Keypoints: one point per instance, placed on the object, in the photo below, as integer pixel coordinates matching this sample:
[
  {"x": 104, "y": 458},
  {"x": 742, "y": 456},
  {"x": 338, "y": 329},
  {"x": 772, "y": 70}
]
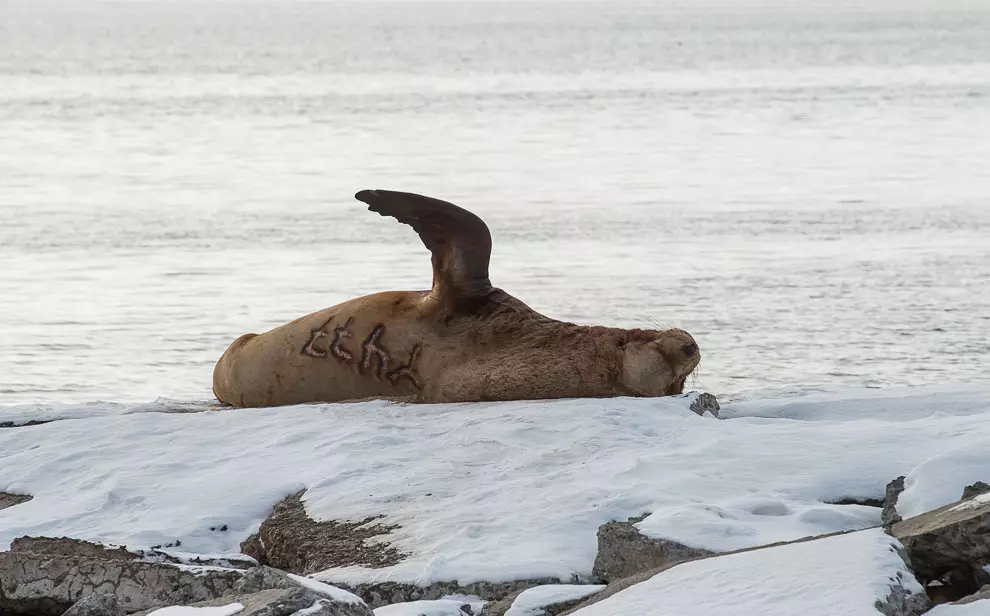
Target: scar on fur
[
  {"x": 311, "y": 350},
  {"x": 339, "y": 333},
  {"x": 371, "y": 350},
  {"x": 406, "y": 370}
]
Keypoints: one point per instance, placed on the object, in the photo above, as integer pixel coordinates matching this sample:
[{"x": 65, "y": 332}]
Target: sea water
[{"x": 804, "y": 186}]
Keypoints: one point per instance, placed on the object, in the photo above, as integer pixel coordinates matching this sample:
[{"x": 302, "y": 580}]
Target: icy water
[{"x": 805, "y": 187}]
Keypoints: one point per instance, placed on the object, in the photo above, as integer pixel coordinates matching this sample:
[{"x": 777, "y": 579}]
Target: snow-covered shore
[{"x": 494, "y": 491}]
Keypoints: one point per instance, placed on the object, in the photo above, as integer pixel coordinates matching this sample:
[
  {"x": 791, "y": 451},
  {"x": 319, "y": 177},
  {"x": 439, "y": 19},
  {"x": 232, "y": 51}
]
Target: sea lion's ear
[{"x": 459, "y": 241}]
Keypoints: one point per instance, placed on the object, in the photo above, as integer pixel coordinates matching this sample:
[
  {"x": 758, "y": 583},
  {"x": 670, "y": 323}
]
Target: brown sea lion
[{"x": 463, "y": 340}]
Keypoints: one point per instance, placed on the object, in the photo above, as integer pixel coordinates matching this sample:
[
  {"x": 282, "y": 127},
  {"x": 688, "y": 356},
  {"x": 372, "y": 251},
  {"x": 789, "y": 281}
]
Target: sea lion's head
[{"x": 657, "y": 363}]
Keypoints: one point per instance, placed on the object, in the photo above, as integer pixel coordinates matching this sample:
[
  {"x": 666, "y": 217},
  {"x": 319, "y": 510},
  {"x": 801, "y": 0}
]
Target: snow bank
[
  {"x": 531, "y": 601},
  {"x": 940, "y": 479},
  {"x": 437, "y": 607},
  {"x": 888, "y": 404},
  {"x": 337, "y": 594},
  {"x": 976, "y": 608},
  {"x": 183, "y": 610},
  {"x": 489, "y": 491},
  {"x": 844, "y": 575}
]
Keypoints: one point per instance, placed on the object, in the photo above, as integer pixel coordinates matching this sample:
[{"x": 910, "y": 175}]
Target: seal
[{"x": 463, "y": 340}]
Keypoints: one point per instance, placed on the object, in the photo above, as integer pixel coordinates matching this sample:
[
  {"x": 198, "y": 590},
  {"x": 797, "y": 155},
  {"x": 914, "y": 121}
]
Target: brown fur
[{"x": 462, "y": 341}]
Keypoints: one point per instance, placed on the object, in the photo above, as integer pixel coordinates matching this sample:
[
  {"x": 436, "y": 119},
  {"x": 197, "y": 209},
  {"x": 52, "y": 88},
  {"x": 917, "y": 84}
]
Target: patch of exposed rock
[
  {"x": 96, "y": 604},
  {"x": 889, "y": 516},
  {"x": 49, "y": 582},
  {"x": 285, "y": 602},
  {"x": 65, "y": 546},
  {"x": 379, "y": 594},
  {"x": 623, "y": 551},
  {"x": 975, "y": 489},
  {"x": 950, "y": 546},
  {"x": 44, "y": 576},
  {"x": 705, "y": 402},
  {"x": 291, "y": 540},
  {"x": 9, "y": 500},
  {"x": 30, "y": 422}
]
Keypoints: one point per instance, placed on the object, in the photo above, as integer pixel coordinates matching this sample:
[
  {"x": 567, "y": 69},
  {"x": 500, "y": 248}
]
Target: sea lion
[{"x": 463, "y": 340}]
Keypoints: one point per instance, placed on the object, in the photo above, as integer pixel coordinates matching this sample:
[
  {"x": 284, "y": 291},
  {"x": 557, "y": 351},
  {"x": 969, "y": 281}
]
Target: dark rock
[
  {"x": 951, "y": 540},
  {"x": 866, "y": 501},
  {"x": 705, "y": 402},
  {"x": 96, "y": 604},
  {"x": 385, "y": 593},
  {"x": 291, "y": 540},
  {"x": 975, "y": 489},
  {"x": 981, "y": 595},
  {"x": 9, "y": 500},
  {"x": 889, "y": 516},
  {"x": 30, "y": 422},
  {"x": 623, "y": 551}
]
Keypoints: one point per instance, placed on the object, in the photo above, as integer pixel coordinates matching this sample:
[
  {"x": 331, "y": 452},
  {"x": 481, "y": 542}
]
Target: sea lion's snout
[{"x": 690, "y": 349}]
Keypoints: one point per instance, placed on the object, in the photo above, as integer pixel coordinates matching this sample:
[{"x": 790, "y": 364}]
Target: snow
[
  {"x": 493, "y": 491},
  {"x": 531, "y": 601},
  {"x": 183, "y": 610},
  {"x": 337, "y": 594},
  {"x": 889, "y": 404},
  {"x": 23, "y": 413},
  {"x": 976, "y": 608},
  {"x": 734, "y": 523},
  {"x": 846, "y": 574},
  {"x": 940, "y": 479},
  {"x": 437, "y": 607}
]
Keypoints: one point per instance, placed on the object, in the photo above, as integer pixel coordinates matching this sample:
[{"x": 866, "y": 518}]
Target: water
[{"x": 805, "y": 187}]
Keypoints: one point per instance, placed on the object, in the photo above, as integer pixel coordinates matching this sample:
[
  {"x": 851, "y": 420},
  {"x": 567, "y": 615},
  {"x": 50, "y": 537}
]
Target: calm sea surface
[{"x": 805, "y": 187}]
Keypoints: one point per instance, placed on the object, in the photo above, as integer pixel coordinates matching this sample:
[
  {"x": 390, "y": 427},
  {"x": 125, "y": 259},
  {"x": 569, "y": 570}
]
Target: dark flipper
[{"x": 459, "y": 241}]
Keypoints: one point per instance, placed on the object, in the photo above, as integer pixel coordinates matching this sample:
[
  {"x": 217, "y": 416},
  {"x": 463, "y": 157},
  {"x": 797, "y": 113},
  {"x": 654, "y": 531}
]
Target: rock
[
  {"x": 975, "y": 490},
  {"x": 262, "y": 578},
  {"x": 9, "y": 500},
  {"x": 547, "y": 600},
  {"x": 64, "y": 546},
  {"x": 289, "y": 539},
  {"x": 386, "y": 593},
  {"x": 623, "y": 551},
  {"x": 981, "y": 595},
  {"x": 48, "y": 584},
  {"x": 950, "y": 544},
  {"x": 705, "y": 402},
  {"x": 285, "y": 602},
  {"x": 889, "y": 516},
  {"x": 96, "y": 604}
]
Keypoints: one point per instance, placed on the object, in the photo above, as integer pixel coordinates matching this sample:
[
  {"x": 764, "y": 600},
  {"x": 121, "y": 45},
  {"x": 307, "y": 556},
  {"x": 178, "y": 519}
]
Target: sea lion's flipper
[{"x": 459, "y": 241}]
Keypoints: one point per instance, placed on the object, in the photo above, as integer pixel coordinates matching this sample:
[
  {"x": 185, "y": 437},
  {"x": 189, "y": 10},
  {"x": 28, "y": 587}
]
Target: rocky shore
[{"x": 909, "y": 545}]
